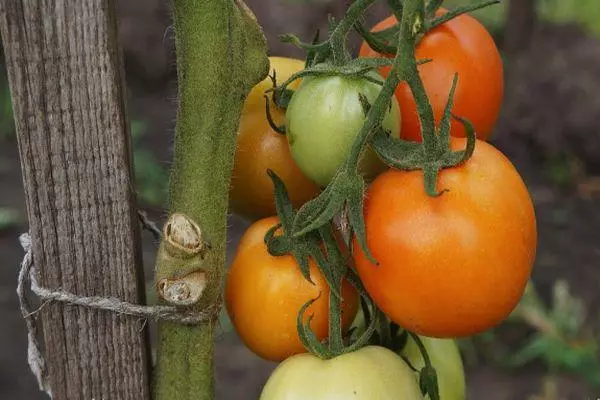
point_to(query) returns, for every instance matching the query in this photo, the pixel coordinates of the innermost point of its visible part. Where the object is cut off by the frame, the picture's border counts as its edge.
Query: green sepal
(432, 6)
(397, 8)
(398, 153)
(307, 336)
(312, 55)
(283, 205)
(281, 98)
(272, 124)
(437, 21)
(428, 380)
(278, 245)
(320, 210)
(383, 42)
(471, 140)
(444, 127)
(399, 337)
(356, 218)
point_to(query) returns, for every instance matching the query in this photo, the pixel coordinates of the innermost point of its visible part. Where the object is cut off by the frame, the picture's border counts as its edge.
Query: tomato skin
(263, 295)
(367, 374)
(323, 119)
(461, 45)
(446, 360)
(454, 265)
(260, 148)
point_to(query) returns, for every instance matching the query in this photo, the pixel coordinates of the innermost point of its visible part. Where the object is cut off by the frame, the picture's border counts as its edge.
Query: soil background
(550, 111)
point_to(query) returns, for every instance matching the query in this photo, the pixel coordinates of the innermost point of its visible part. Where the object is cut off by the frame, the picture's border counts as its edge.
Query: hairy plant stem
(221, 55)
(403, 67)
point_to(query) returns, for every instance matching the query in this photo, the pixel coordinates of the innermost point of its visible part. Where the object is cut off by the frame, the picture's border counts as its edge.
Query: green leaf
(9, 218)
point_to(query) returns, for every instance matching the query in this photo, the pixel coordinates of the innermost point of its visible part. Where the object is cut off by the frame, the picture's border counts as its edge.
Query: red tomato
(461, 45)
(453, 265)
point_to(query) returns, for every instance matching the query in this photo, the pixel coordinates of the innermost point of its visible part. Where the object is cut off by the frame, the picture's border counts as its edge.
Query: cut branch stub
(184, 291)
(183, 237)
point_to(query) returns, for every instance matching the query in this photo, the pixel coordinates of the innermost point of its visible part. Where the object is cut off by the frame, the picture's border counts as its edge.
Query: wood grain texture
(66, 78)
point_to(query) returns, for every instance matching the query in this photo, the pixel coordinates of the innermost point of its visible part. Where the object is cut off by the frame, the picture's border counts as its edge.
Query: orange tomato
(461, 45)
(453, 265)
(264, 294)
(260, 148)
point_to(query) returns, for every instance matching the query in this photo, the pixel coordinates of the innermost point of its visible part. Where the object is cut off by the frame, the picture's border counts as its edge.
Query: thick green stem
(412, 25)
(404, 67)
(221, 55)
(336, 342)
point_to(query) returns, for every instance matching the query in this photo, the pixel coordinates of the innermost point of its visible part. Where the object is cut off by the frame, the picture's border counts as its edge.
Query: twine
(27, 279)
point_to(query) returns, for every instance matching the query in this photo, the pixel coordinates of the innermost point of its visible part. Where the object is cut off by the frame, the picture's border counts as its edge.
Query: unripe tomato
(371, 373)
(461, 45)
(446, 360)
(453, 265)
(323, 119)
(264, 294)
(260, 148)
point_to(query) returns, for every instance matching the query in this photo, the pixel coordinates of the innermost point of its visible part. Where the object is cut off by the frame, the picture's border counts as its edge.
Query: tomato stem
(221, 55)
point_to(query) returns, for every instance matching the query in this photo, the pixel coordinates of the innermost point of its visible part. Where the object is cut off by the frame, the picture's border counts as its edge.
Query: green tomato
(324, 117)
(367, 374)
(446, 360)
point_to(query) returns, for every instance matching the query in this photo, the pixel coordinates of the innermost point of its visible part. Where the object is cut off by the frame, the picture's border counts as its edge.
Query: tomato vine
(309, 232)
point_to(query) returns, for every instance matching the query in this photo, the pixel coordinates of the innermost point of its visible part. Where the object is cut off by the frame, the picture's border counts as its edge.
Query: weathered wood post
(66, 78)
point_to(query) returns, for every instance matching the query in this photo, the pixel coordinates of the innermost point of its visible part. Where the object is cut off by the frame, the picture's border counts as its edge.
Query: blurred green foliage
(583, 12)
(7, 124)
(151, 179)
(561, 339)
(9, 218)
(554, 334)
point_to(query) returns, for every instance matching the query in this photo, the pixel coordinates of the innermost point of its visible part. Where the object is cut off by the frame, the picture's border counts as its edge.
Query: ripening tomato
(323, 119)
(264, 294)
(260, 148)
(367, 374)
(453, 265)
(461, 45)
(446, 360)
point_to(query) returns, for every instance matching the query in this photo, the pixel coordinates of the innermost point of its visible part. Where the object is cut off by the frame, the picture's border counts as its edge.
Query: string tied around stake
(28, 280)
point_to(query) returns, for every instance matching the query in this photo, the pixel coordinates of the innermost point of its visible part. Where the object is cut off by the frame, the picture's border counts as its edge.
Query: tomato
(445, 358)
(453, 265)
(323, 119)
(264, 294)
(366, 374)
(461, 45)
(260, 148)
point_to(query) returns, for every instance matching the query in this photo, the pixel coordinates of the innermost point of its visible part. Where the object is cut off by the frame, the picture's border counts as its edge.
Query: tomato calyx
(408, 156)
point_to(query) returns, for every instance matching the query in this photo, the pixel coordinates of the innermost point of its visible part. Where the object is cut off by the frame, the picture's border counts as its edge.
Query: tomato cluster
(440, 267)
